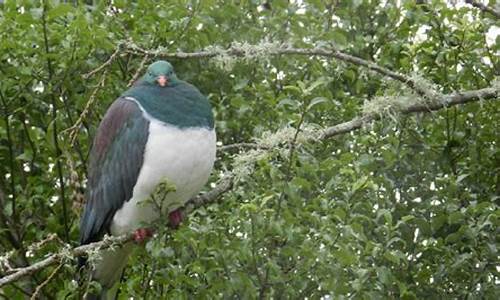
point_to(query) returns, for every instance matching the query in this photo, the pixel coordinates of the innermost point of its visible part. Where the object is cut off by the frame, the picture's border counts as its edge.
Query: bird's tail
(104, 294)
(107, 271)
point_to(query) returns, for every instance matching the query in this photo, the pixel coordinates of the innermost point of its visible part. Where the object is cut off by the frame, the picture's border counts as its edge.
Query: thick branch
(253, 50)
(58, 257)
(447, 101)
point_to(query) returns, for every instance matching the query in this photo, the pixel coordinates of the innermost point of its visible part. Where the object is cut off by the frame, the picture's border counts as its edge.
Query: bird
(159, 130)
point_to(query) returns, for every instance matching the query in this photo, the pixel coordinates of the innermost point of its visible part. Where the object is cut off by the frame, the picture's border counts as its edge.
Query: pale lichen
(221, 59)
(66, 253)
(273, 139)
(249, 51)
(496, 83)
(244, 163)
(287, 134)
(429, 90)
(424, 93)
(93, 256)
(389, 105)
(4, 260)
(226, 58)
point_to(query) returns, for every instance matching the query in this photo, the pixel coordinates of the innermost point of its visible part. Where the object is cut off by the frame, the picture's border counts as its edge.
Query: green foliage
(405, 208)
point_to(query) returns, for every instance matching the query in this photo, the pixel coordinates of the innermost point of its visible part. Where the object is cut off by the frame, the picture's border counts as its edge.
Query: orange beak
(162, 80)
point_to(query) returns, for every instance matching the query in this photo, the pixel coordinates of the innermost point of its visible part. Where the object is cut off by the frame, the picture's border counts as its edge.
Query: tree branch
(246, 50)
(491, 93)
(106, 63)
(45, 282)
(73, 130)
(65, 253)
(241, 146)
(484, 8)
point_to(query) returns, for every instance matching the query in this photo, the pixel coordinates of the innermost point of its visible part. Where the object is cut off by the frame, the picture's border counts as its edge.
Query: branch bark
(249, 50)
(491, 93)
(484, 8)
(58, 257)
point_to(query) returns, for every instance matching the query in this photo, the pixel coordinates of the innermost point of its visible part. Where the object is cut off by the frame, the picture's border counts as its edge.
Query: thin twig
(139, 70)
(73, 130)
(106, 63)
(241, 146)
(39, 287)
(56, 258)
(188, 24)
(12, 160)
(39, 245)
(4, 259)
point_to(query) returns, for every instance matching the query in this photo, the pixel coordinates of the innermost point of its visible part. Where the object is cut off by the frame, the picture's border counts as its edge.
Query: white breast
(183, 157)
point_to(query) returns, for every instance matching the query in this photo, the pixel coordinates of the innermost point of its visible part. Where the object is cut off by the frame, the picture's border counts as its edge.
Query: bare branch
(58, 257)
(241, 146)
(73, 130)
(139, 70)
(46, 281)
(106, 63)
(224, 185)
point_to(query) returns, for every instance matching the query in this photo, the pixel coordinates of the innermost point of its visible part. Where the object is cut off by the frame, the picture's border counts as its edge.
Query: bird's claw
(142, 234)
(175, 218)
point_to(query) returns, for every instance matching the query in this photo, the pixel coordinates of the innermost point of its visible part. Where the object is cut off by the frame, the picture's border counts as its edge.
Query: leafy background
(406, 208)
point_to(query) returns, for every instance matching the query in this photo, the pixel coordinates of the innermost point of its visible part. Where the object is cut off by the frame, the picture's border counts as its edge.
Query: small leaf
(455, 217)
(316, 101)
(462, 177)
(290, 102)
(59, 11)
(345, 257)
(315, 85)
(407, 218)
(293, 88)
(389, 255)
(241, 84)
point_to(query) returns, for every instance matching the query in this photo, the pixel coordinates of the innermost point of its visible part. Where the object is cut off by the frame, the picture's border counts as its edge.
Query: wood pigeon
(161, 129)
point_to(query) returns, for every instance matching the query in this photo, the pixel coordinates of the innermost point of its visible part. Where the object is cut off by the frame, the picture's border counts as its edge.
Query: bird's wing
(115, 162)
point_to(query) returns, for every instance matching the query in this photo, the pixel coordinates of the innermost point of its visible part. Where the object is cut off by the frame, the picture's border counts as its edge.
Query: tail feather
(107, 271)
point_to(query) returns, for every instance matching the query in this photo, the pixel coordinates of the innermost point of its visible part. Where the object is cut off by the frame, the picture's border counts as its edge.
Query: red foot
(175, 218)
(142, 234)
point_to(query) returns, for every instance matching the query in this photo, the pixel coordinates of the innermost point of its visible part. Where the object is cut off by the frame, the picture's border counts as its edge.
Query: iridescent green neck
(179, 104)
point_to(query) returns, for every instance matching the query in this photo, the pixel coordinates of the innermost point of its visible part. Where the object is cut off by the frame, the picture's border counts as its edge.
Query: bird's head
(160, 73)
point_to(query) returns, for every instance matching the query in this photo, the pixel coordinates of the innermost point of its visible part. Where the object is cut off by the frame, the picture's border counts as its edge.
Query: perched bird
(161, 129)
